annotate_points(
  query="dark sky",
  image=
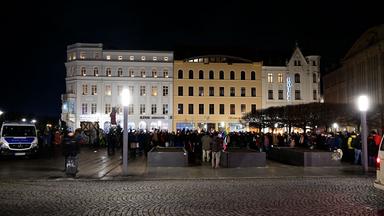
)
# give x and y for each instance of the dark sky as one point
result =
(35, 36)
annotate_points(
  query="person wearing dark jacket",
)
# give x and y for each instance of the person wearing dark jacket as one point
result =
(217, 147)
(71, 145)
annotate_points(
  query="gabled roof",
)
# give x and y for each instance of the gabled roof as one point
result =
(297, 52)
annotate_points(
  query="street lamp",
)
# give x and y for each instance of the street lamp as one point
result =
(23, 120)
(33, 121)
(363, 105)
(125, 99)
(335, 126)
(1, 112)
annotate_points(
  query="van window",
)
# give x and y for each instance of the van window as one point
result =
(18, 131)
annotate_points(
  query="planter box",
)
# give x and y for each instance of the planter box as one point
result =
(242, 158)
(303, 157)
(167, 157)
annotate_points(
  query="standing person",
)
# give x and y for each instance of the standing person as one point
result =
(217, 146)
(357, 145)
(70, 146)
(206, 141)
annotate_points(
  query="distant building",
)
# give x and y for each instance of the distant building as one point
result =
(361, 71)
(213, 92)
(296, 83)
(96, 77)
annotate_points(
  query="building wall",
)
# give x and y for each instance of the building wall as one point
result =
(220, 121)
(308, 68)
(109, 86)
(361, 71)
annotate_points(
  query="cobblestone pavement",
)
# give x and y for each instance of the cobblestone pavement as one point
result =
(269, 196)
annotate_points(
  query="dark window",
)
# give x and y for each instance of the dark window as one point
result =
(180, 91)
(297, 78)
(211, 109)
(190, 108)
(281, 95)
(253, 108)
(180, 108)
(243, 108)
(232, 109)
(242, 92)
(201, 74)
(201, 91)
(270, 94)
(232, 92)
(190, 74)
(201, 108)
(180, 74)
(211, 75)
(221, 109)
(314, 78)
(253, 92)
(313, 63)
(221, 91)
(211, 91)
(232, 76)
(190, 91)
(297, 95)
(221, 75)
(242, 75)
(253, 75)
(314, 95)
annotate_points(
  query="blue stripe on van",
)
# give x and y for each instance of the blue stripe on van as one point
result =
(27, 140)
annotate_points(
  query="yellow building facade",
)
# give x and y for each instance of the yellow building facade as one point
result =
(214, 92)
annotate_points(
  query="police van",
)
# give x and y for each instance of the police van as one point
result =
(18, 139)
(379, 183)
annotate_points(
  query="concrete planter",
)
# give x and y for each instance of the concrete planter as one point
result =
(302, 157)
(242, 158)
(167, 157)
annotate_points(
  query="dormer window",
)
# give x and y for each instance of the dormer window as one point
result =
(154, 58)
(120, 58)
(131, 58)
(142, 58)
(166, 58)
(82, 55)
(297, 63)
(108, 57)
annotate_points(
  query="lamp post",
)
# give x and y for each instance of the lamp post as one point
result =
(363, 105)
(125, 99)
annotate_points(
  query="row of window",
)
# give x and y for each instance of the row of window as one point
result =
(131, 110)
(143, 90)
(96, 55)
(211, 109)
(280, 78)
(298, 63)
(131, 72)
(211, 75)
(297, 95)
(211, 92)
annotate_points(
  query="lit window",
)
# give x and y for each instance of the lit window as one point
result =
(82, 55)
(120, 58)
(280, 78)
(142, 58)
(96, 71)
(165, 72)
(119, 72)
(154, 90)
(165, 58)
(131, 58)
(131, 73)
(154, 73)
(108, 108)
(108, 57)
(142, 73)
(74, 56)
(270, 77)
(108, 72)
(154, 58)
(83, 71)
(108, 90)
(142, 90)
(94, 89)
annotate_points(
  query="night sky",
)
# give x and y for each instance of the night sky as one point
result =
(34, 36)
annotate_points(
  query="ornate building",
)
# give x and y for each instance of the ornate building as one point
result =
(96, 77)
(296, 83)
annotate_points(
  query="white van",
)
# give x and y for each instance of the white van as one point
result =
(379, 183)
(18, 139)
